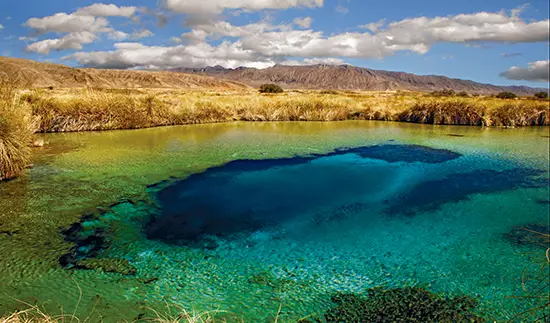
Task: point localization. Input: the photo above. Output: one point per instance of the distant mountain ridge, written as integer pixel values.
(347, 77)
(37, 74)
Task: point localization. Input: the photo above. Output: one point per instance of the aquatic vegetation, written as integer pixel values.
(430, 195)
(408, 304)
(534, 234)
(16, 129)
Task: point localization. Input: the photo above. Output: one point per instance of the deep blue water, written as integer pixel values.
(247, 196)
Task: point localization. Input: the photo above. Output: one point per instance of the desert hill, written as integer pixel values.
(37, 74)
(347, 77)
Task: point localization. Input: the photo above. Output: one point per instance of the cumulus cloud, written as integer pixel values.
(144, 33)
(536, 71)
(303, 22)
(81, 27)
(106, 10)
(136, 55)
(65, 23)
(262, 43)
(214, 7)
(71, 41)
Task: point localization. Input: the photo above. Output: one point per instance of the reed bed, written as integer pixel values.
(17, 126)
(97, 109)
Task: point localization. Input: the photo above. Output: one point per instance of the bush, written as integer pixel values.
(445, 92)
(463, 94)
(271, 88)
(541, 95)
(506, 95)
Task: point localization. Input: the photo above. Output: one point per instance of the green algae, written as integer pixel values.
(78, 172)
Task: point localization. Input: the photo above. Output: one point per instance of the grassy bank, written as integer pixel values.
(70, 110)
(16, 128)
(85, 110)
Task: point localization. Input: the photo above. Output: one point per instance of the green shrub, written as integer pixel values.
(506, 95)
(463, 94)
(541, 95)
(271, 88)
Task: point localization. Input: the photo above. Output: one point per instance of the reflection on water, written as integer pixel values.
(247, 216)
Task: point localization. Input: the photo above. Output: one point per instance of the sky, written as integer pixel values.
(503, 42)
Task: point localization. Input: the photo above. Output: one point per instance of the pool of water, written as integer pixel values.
(250, 218)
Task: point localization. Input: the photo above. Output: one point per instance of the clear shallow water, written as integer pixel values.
(294, 230)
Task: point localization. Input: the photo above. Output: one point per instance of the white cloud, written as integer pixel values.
(65, 23)
(263, 43)
(144, 33)
(106, 10)
(117, 35)
(71, 41)
(373, 26)
(536, 71)
(1, 27)
(303, 22)
(215, 7)
(81, 27)
(314, 61)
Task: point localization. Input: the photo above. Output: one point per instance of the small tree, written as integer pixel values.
(541, 95)
(506, 95)
(271, 88)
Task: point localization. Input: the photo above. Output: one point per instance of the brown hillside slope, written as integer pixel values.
(346, 77)
(36, 74)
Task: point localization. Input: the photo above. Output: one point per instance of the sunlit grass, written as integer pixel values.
(97, 109)
(16, 128)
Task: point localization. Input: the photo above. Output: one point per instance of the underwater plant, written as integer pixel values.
(408, 304)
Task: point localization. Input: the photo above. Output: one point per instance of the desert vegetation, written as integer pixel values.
(22, 112)
(16, 128)
(108, 109)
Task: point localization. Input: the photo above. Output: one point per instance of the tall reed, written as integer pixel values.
(17, 126)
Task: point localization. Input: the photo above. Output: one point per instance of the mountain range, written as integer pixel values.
(322, 77)
(347, 77)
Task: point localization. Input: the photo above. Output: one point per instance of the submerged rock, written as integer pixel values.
(409, 304)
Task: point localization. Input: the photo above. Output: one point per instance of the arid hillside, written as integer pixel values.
(36, 74)
(347, 77)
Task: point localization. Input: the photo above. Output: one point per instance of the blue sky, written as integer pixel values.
(500, 42)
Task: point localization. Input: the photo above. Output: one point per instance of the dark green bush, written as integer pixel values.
(541, 95)
(506, 95)
(463, 94)
(271, 88)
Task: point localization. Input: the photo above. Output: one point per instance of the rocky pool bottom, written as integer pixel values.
(329, 236)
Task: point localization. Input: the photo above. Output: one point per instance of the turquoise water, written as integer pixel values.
(250, 218)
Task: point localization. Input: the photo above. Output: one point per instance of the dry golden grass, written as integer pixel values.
(16, 128)
(98, 109)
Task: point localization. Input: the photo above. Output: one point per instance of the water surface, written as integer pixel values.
(245, 217)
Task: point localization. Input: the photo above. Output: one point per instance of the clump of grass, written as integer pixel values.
(445, 112)
(521, 114)
(16, 129)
